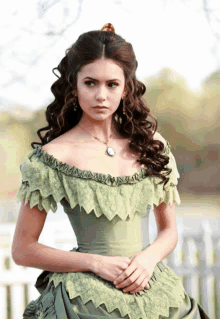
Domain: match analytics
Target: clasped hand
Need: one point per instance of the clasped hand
(136, 276)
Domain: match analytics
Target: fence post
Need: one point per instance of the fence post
(17, 300)
(175, 258)
(191, 263)
(3, 291)
(217, 277)
(206, 261)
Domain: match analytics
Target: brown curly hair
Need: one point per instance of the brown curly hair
(61, 116)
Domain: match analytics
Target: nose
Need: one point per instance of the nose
(101, 92)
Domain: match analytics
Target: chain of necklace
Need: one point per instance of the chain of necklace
(109, 150)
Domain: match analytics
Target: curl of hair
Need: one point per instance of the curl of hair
(133, 124)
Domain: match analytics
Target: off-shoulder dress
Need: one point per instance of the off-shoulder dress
(106, 214)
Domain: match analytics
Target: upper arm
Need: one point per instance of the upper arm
(28, 228)
(165, 215)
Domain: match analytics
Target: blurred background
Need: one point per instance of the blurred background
(177, 46)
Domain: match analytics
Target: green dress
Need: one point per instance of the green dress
(106, 215)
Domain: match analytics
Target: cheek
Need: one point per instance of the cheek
(85, 94)
(117, 98)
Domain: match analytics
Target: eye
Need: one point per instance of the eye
(114, 83)
(87, 82)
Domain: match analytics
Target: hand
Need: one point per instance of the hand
(110, 267)
(136, 276)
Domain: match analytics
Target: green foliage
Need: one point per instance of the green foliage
(192, 115)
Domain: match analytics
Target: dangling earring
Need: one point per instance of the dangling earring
(75, 106)
(123, 110)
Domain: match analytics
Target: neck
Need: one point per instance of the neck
(102, 130)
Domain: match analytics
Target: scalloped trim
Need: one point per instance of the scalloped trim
(87, 174)
(166, 292)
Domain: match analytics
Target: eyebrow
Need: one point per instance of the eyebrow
(88, 77)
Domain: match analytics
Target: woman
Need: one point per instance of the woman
(105, 167)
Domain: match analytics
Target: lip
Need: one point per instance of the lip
(100, 107)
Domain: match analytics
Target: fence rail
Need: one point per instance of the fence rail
(196, 259)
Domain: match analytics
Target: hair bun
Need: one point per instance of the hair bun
(108, 27)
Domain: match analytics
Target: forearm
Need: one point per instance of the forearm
(163, 245)
(43, 257)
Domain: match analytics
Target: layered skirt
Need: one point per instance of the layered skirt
(84, 295)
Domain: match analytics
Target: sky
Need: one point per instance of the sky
(163, 33)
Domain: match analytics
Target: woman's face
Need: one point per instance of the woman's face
(105, 88)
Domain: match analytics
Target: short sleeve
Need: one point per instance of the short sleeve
(40, 184)
(170, 194)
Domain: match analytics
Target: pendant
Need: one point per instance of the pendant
(110, 151)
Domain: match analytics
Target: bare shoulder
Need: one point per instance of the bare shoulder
(57, 149)
(158, 136)
(52, 147)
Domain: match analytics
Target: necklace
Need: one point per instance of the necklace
(109, 150)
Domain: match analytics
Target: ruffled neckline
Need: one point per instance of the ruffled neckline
(71, 170)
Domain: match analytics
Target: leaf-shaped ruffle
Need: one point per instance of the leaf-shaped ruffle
(46, 181)
(166, 290)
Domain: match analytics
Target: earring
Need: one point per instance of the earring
(123, 109)
(75, 106)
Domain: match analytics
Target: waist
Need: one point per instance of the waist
(111, 249)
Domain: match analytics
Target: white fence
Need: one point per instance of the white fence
(196, 259)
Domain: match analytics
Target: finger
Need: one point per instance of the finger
(146, 286)
(136, 284)
(124, 275)
(130, 279)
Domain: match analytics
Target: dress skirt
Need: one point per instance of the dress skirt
(54, 303)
